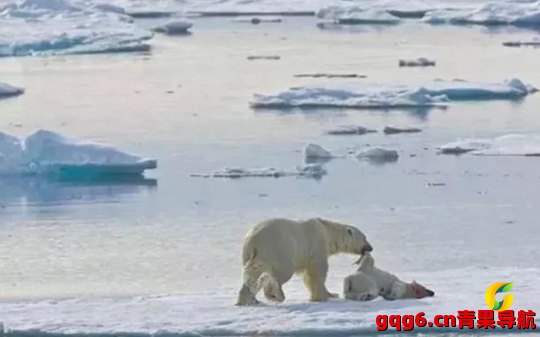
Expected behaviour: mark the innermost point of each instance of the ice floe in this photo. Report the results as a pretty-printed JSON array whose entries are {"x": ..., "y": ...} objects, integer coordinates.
[
  {"x": 419, "y": 62},
  {"x": 315, "y": 171},
  {"x": 392, "y": 130},
  {"x": 527, "y": 145},
  {"x": 534, "y": 43},
  {"x": 517, "y": 13},
  {"x": 49, "y": 153},
  {"x": 314, "y": 153},
  {"x": 174, "y": 27},
  {"x": 357, "y": 15},
  {"x": 256, "y": 21},
  {"x": 7, "y": 90},
  {"x": 348, "y": 130},
  {"x": 436, "y": 93},
  {"x": 263, "y": 57},
  {"x": 38, "y": 27},
  {"x": 329, "y": 75},
  {"x": 378, "y": 155}
]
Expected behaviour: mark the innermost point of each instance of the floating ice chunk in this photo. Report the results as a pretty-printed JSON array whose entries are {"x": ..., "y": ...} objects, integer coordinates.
[
  {"x": 256, "y": 21},
  {"x": 46, "y": 152},
  {"x": 350, "y": 130},
  {"x": 330, "y": 75},
  {"x": 507, "y": 145},
  {"x": 360, "y": 96},
  {"x": 175, "y": 27},
  {"x": 315, "y": 171},
  {"x": 11, "y": 153},
  {"x": 419, "y": 62},
  {"x": 312, "y": 170},
  {"x": 525, "y": 13},
  {"x": 7, "y": 90},
  {"x": 314, "y": 153},
  {"x": 357, "y": 15},
  {"x": 263, "y": 57},
  {"x": 36, "y": 27},
  {"x": 521, "y": 44},
  {"x": 391, "y": 130},
  {"x": 378, "y": 155}
]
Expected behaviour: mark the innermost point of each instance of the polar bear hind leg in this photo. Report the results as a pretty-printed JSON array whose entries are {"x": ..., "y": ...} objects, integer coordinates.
[
  {"x": 272, "y": 288},
  {"x": 251, "y": 274},
  {"x": 315, "y": 278}
]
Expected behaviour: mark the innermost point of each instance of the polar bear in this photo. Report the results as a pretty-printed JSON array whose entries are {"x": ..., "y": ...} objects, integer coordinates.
[
  {"x": 369, "y": 282},
  {"x": 277, "y": 248}
]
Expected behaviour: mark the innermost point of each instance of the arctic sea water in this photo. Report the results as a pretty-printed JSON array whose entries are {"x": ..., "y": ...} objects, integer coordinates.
[{"x": 162, "y": 254}]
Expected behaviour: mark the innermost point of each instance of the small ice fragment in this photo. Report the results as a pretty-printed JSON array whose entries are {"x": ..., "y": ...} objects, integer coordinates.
[
  {"x": 312, "y": 171},
  {"x": 330, "y": 75},
  {"x": 350, "y": 130},
  {"x": 176, "y": 27},
  {"x": 419, "y": 62},
  {"x": 315, "y": 153},
  {"x": 521, "y": 44},
  {"x": 263, "y": 57},
  {"x": 378, "y": 155},
  {"x": 391, "y": 130},
  {"x": 257, "y": 20}
]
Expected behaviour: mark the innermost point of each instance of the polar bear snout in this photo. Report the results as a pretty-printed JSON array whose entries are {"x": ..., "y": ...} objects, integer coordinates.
[{"x": 367, "y": 248}]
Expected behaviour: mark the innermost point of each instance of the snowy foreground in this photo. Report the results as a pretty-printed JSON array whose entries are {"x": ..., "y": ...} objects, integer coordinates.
[
  {"x": 437, "y": 93},
  {"x": 212, "y": 313},
  {"x": 507, "y": 145},
  {"x": 46, "y": 152}
]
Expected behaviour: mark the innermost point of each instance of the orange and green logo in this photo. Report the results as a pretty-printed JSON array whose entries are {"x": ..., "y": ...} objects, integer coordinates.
[{"x": 494, "y": 289}]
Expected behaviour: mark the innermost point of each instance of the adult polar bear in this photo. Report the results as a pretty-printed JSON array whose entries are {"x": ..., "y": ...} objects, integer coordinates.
[{"x": 277, "y": 248}]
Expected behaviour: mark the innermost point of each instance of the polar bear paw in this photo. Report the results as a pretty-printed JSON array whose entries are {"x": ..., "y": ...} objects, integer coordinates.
[{"x": 272, "y": 288}]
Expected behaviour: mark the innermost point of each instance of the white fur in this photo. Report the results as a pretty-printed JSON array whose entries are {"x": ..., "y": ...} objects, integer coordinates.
[
  {"x": 368, "y": 282},
  {"x": 276, "y": 249}
]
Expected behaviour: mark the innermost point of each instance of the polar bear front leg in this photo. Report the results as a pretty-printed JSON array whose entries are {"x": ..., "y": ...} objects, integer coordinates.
[{"x": 315, "y": 279}]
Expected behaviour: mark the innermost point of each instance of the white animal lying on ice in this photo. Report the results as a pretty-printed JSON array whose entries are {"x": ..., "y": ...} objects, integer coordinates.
[{"x": 369, "y": 282}]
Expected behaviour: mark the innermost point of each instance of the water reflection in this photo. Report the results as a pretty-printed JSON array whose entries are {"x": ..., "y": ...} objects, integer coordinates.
[{"x": 17, "y": 190}]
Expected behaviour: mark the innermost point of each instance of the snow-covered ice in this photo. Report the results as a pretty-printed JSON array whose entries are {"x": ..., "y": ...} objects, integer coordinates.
[
  {"x": 330, "y": 75},
  {"x": 347, "y": 130},
  {"x": 49, "y": 153},
  {"x": 7, "y": 90},
  {"x": 517, "y": 13},
  {"x": 436, "y": 93},
  {"x": 378, "y": 155},
  {"x": 312, "y": 170},
  {"x": 507, "y": 145},
  {"x": 36, "y": 27},
  {"x": 357, "y": 15},
  {"x": 419, "y": 62},
  {"x": 212, "y": 312},
  {"x": 174, "y": 27},
  {"x": 390, "y": 130}
]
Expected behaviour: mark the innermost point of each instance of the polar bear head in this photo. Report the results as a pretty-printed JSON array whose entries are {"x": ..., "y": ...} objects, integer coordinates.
[
  {"x": 346, "y": 238},
  {"x": 355, "y": 242}
]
